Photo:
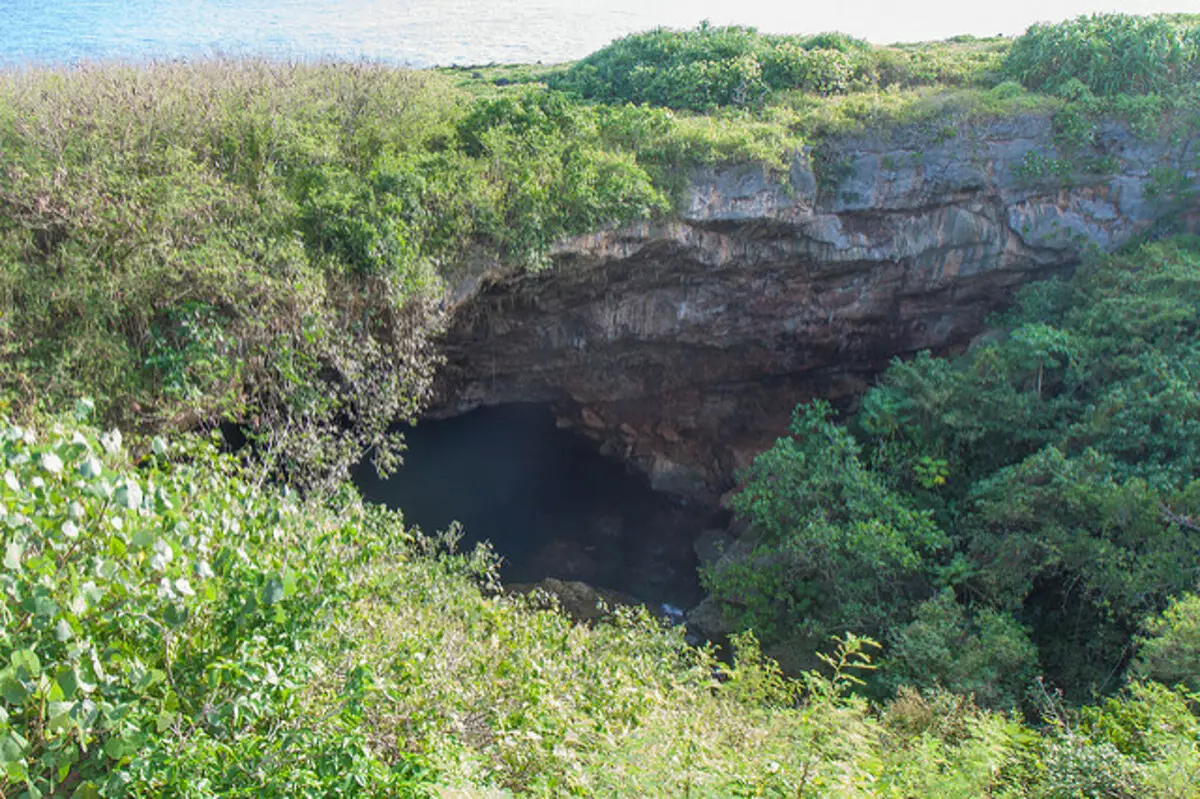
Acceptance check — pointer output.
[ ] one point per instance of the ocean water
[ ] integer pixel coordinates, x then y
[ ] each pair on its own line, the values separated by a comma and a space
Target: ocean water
397, 31
443, 32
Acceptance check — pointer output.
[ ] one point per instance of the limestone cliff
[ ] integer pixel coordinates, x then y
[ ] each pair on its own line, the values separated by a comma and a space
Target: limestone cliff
683, 346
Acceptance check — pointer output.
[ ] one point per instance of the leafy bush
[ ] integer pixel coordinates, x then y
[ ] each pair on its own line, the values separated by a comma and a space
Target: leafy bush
1078, 767
986, 654
835, 547
275, 259
158, 620
1109, 54
171, 627
1169, 648
708, 67
1058, 457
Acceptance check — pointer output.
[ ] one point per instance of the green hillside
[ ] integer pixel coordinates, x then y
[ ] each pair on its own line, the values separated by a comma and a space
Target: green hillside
989, 568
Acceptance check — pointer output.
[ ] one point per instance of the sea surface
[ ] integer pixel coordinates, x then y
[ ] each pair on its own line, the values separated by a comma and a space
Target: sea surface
399, 31
465, 32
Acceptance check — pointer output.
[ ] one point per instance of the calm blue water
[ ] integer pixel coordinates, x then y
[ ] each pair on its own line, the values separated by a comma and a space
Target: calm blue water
461, 31
402, 31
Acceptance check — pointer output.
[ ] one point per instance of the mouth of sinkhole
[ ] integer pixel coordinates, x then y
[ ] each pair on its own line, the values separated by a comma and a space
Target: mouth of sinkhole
548, 502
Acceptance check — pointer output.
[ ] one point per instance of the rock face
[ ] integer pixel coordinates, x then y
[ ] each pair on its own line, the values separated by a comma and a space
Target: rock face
683, 346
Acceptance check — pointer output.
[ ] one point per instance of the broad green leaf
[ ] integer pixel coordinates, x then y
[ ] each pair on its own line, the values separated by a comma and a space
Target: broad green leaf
163, 554
63, 631
129, 495
91, 468
12, 556
143, 538
87, 790
12, 748
273, 591
52, 463
112, 441
164, 721
28, 660
84, 408
12, 689
68, 681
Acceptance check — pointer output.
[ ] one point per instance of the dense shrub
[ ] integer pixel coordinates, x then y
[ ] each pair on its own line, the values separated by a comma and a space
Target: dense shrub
158, 619
173, 627
709, 66
1109, 54
1169, 647
835, 549
1058, 457
268, 242
276, 256
984, 654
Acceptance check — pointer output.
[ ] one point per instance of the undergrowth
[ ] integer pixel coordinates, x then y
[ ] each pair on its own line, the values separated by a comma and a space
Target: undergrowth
174, 625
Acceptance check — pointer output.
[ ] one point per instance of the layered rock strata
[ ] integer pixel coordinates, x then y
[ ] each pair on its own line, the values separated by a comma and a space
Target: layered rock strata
683, 346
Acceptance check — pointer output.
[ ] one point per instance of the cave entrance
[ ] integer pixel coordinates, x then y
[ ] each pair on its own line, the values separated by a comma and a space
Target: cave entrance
549, 503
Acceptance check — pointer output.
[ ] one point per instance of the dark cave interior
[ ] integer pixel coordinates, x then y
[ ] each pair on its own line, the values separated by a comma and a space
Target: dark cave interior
548, 502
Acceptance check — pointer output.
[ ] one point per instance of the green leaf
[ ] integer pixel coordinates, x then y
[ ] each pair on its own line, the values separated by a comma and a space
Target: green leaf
164, 721
273, 592
129, 495
13, 690
111, 441
68, 681
86, 790
12, 748
28, 660
52, 463
84, 408
143, 538
12, 556
63, 631
163, 554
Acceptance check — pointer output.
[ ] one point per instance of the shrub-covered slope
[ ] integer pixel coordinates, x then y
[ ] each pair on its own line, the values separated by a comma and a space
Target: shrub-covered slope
270, 243
174, 627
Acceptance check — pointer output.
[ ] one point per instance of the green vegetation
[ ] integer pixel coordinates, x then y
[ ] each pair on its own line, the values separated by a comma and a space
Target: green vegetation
270, 244
1049, 475
710, 67
1110, 54
173, 626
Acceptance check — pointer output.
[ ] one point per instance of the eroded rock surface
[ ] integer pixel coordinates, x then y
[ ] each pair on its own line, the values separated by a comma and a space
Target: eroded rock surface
683, 346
